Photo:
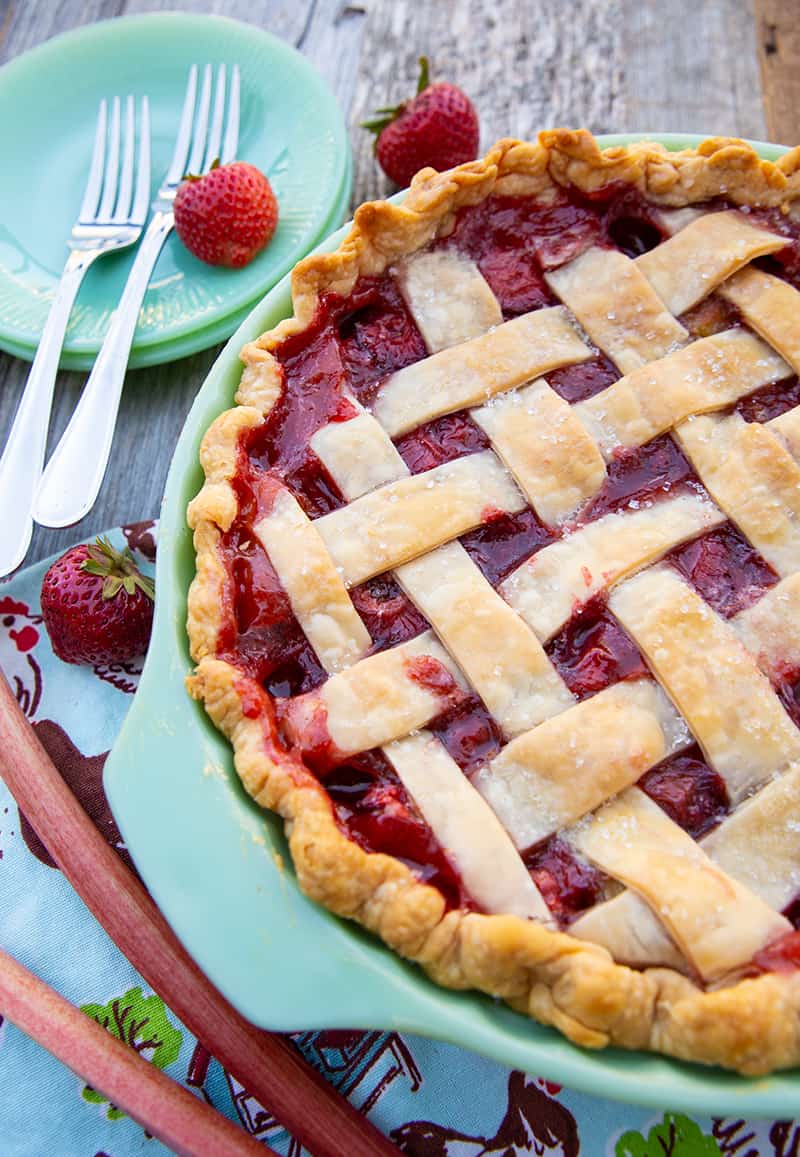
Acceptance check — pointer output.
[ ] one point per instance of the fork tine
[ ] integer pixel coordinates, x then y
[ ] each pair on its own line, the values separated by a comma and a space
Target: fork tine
231, 143
142, 196
112, 166
126, 177
201, 124
177, 165
215, 134
94, 180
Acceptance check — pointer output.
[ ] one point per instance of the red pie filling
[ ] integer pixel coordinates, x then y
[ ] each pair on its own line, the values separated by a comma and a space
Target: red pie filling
782, 955
690, 792
789, 691
515, 240
376, 333
770, 401
440, 441
568, 884
505, 541
353, 344
786, 262
373, 807
468, 732
260, 634
389, 615
724, 568
712, 315
592, 651
643, 475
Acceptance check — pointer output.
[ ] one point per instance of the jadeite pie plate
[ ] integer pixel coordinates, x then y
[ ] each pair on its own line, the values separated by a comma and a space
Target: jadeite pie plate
290, 126
219, 868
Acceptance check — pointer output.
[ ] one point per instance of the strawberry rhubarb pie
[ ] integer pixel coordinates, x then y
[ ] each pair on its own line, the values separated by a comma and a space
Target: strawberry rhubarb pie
498, 587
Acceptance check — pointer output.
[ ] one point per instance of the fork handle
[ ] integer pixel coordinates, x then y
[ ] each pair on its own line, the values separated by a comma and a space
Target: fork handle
73, 476
23, 456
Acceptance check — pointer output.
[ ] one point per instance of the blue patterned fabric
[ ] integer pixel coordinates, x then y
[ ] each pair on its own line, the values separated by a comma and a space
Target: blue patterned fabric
433, 1099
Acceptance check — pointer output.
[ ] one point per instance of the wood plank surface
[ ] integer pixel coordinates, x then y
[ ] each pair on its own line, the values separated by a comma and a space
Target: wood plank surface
691, 66
778, 33
613, 65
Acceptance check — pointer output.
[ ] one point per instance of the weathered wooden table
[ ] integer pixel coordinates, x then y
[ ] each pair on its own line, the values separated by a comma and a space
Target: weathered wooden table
722, 67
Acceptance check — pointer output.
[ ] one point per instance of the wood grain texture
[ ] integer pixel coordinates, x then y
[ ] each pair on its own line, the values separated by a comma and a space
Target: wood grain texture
613, 65
778, 35
691, 66
526, 66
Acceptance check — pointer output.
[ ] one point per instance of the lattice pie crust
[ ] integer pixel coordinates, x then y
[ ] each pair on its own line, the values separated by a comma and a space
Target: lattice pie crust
686, 916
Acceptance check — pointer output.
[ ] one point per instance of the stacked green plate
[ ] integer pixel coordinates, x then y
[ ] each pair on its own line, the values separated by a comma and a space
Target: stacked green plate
290, 127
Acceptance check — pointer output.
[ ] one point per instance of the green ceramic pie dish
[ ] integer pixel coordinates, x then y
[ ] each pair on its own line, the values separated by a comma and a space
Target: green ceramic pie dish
219, 868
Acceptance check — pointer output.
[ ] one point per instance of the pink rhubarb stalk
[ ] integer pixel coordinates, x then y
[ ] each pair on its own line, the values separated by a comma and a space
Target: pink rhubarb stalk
165, 1109
268, 1066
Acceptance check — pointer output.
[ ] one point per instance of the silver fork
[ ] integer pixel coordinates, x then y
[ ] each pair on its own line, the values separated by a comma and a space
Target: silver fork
73, 476
111, 217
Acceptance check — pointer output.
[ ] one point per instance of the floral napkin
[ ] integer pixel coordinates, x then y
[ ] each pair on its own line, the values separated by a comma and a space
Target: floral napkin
432, 1099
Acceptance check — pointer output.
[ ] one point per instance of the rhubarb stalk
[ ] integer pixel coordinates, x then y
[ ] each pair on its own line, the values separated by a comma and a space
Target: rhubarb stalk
267, 1065
185, 1124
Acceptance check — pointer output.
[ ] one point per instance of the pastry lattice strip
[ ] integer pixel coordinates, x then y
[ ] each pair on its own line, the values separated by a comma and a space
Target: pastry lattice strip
717, 685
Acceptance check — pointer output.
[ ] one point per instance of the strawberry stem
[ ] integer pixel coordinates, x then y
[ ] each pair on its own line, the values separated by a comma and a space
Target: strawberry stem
378, 124
424, 78
117, 569
383, 117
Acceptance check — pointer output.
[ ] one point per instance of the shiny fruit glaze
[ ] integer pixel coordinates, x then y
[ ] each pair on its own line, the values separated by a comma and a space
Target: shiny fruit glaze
259, 633
789, 693
724, 568
373, 807
515, 240
376, 334
690, 792
786, 262
468, 732
639, 476
592, 651
568, 884
584, 380
771, 401
389, 615
505, 541
792, 912
782, 955
313, 394
449, 437
353, 344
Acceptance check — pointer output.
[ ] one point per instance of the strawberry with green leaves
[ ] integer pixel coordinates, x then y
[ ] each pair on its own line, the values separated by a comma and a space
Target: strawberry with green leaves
226, 216
437, 127
97, 606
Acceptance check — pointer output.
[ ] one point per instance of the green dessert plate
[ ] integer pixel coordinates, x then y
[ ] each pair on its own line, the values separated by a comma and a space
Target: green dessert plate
219, 868
290, 126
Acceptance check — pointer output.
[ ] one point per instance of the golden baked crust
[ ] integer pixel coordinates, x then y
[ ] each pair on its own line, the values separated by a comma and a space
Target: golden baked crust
752, 1026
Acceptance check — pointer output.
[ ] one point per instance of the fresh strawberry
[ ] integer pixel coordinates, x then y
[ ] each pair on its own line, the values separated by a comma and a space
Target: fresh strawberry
227, 216
437, 127
97, 606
